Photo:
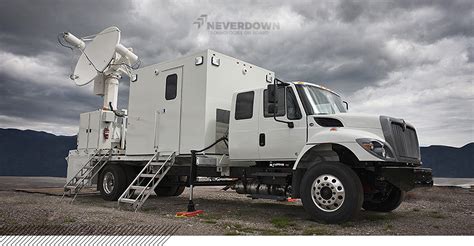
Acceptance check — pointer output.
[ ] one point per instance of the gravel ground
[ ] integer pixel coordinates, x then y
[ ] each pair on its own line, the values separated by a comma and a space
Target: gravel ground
426, 211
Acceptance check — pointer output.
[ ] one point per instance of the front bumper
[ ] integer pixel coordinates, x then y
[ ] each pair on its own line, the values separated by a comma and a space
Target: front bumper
407, 178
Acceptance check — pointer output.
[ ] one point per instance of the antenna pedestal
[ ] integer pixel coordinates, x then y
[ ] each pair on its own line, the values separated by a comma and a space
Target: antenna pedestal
111, 90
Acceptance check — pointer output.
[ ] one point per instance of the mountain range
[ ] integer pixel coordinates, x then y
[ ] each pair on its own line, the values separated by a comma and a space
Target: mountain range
32, 153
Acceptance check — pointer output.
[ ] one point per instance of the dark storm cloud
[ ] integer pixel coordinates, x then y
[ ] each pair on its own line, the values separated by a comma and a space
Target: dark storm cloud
363, 49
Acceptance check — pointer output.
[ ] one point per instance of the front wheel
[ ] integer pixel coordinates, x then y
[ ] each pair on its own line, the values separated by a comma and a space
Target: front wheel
385, 202
331, 192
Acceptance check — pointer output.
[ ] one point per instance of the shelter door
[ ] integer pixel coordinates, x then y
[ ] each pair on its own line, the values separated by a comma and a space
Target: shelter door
168, 115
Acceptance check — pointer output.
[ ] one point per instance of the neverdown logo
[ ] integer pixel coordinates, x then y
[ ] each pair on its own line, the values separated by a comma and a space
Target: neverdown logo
201, 20
236, 27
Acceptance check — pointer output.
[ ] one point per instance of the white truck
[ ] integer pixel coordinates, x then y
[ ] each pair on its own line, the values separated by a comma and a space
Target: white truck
213, 116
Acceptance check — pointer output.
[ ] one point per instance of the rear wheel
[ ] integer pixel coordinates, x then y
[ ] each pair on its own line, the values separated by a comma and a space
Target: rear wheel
385, 202
112, 182
167, 188
331, 192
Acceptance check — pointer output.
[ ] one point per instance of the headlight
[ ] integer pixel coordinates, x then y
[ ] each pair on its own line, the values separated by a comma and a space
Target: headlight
376, 147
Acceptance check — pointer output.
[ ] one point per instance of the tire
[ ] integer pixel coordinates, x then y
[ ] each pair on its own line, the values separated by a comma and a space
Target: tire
118, 177
386, 204
170, 190
130, 172
334, 183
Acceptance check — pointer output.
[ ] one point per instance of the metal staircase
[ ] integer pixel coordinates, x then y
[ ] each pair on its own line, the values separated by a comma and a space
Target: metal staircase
85, 175
146, 181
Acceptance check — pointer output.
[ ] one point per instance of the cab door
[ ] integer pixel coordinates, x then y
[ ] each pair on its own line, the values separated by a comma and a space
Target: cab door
277, 141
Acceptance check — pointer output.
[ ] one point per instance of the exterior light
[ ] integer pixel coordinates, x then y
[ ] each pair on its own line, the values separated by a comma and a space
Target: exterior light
198, 60
269, 78
215, 61
134, 77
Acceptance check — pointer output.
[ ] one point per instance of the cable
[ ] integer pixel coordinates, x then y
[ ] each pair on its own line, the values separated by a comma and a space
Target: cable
97, 34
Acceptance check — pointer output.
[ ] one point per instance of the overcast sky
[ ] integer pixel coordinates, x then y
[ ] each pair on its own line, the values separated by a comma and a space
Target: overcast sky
408, 59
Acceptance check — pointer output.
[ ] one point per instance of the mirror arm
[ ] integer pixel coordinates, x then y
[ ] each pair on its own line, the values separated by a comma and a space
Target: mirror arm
289, 123
347, 105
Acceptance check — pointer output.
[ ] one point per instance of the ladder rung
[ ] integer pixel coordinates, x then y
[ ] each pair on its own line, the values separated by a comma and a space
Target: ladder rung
127, 200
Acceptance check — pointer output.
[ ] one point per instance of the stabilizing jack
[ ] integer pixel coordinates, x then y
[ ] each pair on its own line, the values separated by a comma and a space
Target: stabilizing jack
191, 211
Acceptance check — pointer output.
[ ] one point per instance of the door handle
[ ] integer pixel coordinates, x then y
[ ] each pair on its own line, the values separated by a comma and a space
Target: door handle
261, 139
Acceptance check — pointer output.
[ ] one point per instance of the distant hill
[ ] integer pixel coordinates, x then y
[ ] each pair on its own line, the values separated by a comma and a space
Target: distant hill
32, 153
448, 161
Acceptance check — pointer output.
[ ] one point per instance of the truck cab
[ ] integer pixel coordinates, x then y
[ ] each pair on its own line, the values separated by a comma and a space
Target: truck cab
339, 160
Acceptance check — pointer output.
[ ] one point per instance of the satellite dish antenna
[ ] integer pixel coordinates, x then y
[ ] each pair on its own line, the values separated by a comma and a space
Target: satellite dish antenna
103, 60
96, 56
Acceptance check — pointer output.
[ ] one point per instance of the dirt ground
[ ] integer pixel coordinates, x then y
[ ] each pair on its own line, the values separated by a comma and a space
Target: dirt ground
426, 211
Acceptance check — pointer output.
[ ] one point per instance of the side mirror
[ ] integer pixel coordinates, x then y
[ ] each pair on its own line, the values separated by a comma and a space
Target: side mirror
272, 109
347, 104
271, 97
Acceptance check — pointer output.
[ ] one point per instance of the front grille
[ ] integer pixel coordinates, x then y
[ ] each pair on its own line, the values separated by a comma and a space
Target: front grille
405, 141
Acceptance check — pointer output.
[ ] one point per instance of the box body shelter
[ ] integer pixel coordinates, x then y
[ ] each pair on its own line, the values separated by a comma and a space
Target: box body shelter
184, 104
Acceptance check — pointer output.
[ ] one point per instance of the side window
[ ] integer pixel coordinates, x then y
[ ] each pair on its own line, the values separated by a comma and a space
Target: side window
280, 107
293, 111
171, 86
244, 105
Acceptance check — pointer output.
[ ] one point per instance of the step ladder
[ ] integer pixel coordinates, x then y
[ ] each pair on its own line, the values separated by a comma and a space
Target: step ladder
85, 175
146, 181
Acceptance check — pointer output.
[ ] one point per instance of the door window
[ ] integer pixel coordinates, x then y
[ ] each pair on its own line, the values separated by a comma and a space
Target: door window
293, 111
244, 105
171, 86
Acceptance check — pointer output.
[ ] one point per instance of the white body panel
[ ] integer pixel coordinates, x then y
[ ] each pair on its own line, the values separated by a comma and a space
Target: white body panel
91, 130
202, 90
345, 136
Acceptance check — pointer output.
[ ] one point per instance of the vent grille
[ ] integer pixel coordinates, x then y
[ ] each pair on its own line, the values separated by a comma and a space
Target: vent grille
328, 122
405, 141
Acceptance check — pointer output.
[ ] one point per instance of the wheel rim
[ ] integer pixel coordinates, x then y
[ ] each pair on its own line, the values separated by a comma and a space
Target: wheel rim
328, 193
108, 182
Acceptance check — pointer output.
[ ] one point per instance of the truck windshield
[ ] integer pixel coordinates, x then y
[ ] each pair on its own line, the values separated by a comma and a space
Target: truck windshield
319, 101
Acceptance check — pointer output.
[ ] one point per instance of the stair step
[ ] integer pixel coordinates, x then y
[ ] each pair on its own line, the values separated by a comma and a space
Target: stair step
127, 200
146, 191
156, 163
70, 187
138, 187
147, 175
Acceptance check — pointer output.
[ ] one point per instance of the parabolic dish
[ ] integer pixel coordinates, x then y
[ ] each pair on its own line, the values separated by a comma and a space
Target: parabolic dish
96, 56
